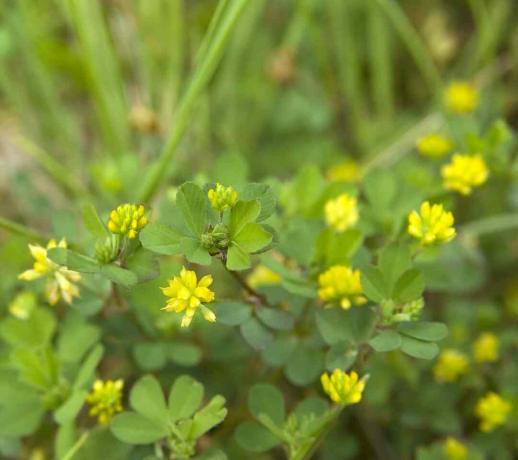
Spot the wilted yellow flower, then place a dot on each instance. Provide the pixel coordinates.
(450, 366)
(454, 450)
(343, 388)
(434, 145)
(262, 276)
(464, 172)
(492, 410)
(461, 97)
(105, 400)
(342, 212)
(143, 119)
(346, 171)
(187, 294)
(222, 197)
(127, 219)
(22, 305)
(485, 348)
(432, 225)
(342, 285)
(60, 282)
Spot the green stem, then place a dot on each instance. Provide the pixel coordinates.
(22, 230)
(200, 79)
(491, 224)
(75, 448)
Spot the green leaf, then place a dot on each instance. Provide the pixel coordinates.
(304, 366)
(334, 326)
(262, 193)
(194, 251)
(374, 285)
(147, 399)
(237, 258)
(150, 356)
(119, 275)
(232, 313)
(393, 262)
(185, 397)
(278, 351)
(386, 341)
(276, 319)
(134, 428)
(252, 238)
(338, 248)
(35, 331)
(423, 330)
(87, 369)
(409, 286)
(76, 338)
(144, 264)
(73, 260)
(267, 399)
(418, 349)
(185, 354)
(161, 238)
(20, 419)
(241, 214)
(341, 355)
(68, 411)
(93, 222)
(255, 334)
(208, 417)
(254, 437)
(192, 203)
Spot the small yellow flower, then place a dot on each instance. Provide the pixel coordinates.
(127, 219)
(262, 276)
(105, 400)
(434, 145)
(342, 285)
(485, 348)
(23, 305)
(346, 171)
(464, 173)
(60, 282)
(450, 366)
(222, 197)
(187, 294)
(454, 450)
(432, 225)
(492, 410)
(461, 97)
(342, 212)
(343, 388)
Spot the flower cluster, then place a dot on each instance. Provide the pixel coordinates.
(60, 280)
(105, 400)
(222, 197)
(461, 97)
(127, 220)
(450, 366)
(342, 212)
(434, 145)
(454, 450)
(341, 285)
(187, 294)
(343, 388)
(431, 225)
(346, 171)
(464, 172)
(23, 305)
(485, 348)
(492, 410)
(262, 276)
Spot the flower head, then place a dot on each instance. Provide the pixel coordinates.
(454, 450)
(262, 276)
(187, 294)
(432, 225)
(434, 145)
(485, 348)
(60, 280)
(222, 197)
(22, 305)
(341, 285)
(343, 388)
(105, 400)
(464, 173)
(450, 366)
(492, 410)
(461, 97)
(127, 220)
(346, 171)
(342, 212)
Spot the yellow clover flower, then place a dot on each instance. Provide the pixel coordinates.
(461, 97)
(431, 225)
(187, 294)
(464, 172)
(60, 280)
(342, 212)
(346, 171)
(262, 276)
(105, 400)
(222, 197)
(492, 410)
(450, 366)
(485, 348)
(454, 450)
(23, 305)
(343, 388)
(342, 285)
(434, 145)
(127, 220)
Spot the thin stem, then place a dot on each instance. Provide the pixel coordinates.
(491, 224)
(75, 448)
(249, 289)
(22, 230)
